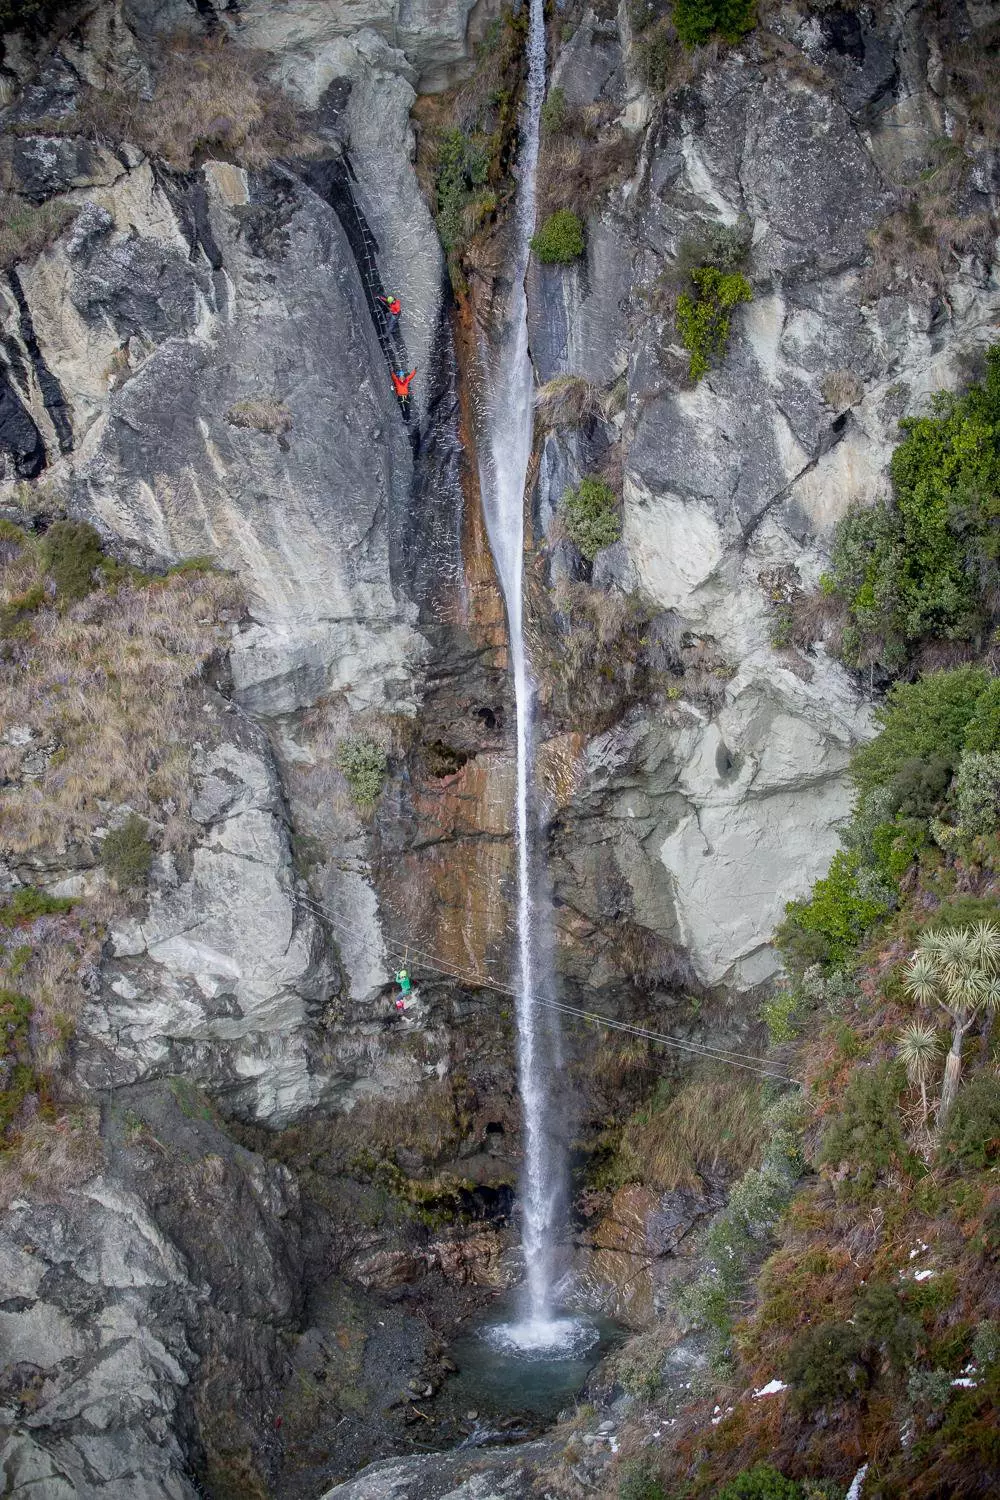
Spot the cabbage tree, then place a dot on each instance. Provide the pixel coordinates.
(958, 969)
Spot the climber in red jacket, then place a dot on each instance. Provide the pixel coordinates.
(393, 308)
(401, 384)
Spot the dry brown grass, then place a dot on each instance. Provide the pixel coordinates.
(26, 228)
(52, 1156)
(922, 243)
(583, 161)
(261, 414)
(712, 1126)
(567, 401)
(109, 683)
(211, 98)
(974, 69)
(841, 389)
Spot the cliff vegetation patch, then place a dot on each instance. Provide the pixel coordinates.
(593, 518)
(925, 564)
(560, 240)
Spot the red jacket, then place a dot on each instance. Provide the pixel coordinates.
(402, 387)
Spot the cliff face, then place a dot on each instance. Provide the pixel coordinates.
(193, 361)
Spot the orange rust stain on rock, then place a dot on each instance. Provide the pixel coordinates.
(486, 618)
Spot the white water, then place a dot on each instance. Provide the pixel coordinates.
(504, 458)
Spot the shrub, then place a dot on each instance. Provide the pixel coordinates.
(560, 239)
(982, 733)
(17, 1075)
(462, 170)
(724, 246)
(779, 1013)
(28, 902)
(28, 228)
(127, 854)
(827, 928)
(977, 792)
(884, 1324)
(554, 111)
(762, 1482)
(71, 553)
(639, 1481)
(592, 518)
(866, 1135)
(261, 414)
(364, 763)
(697, 20)
(703, 321)
(826, 1366)
(923, 720)
(919, 786)
(926, 564)
(972, 1134)
(929, 1390)
(986, 1344)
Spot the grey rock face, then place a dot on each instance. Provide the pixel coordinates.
(750, 469)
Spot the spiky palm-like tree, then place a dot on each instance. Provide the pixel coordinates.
(919, 1050)
(957, 968)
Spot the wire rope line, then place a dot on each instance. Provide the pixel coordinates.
(749, 1062)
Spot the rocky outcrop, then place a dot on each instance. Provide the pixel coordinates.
(742, 477)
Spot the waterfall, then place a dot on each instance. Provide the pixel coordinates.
(507, 419)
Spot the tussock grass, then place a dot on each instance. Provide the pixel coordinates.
(261, 414)
(108, 680)
(28, 228)
(211, 98)
(52, 1157)
(582, 160)
(712, 1126)
(567, 401)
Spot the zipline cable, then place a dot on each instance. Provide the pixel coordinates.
(747, 1061)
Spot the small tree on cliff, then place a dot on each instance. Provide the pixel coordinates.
(958, 969)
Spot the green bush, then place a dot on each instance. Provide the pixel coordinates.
(697, 20)
(919, 786)
(27, 903)
(71, 553)
(977, 792)
(127, 854)
(828, 927)
(592, 518)
(826, 1366)
(703, 321)
(927, 564)
(639, 1481)
(972, 1134)
(866, 1135)
(760, 1483)
(982, 733)
(884, 1324)
(554, 111)
(923, 720)
(17, 1075)
(560, 239)
(364, 763)
(462, 169)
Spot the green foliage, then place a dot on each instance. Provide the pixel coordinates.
(639, 1481)
(927, 565)
(982, 733)
(554, 111)
(924, 720)
(827, 928)
(986, 1344)
(697, 20)
(762, 1482)
(71, 553)
(364, 763)
(592, 517)
(884, 1324)
(17, 1076)
(972, 1135)
(127, 854)
(977, 792)
(929, 1390)
(703, 321)
(826, 1366)
(560, 239)
(27, 903)
(779, 1013)
(865, 1135)
(919, 786)
(462, 170)
(739, 1232)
